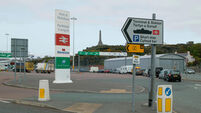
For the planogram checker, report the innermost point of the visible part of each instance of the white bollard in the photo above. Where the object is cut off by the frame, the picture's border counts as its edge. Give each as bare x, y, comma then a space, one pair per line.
43, 91
164, 99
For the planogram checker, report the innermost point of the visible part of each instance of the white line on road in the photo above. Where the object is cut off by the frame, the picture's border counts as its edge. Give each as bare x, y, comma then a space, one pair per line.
3, 101
198, 85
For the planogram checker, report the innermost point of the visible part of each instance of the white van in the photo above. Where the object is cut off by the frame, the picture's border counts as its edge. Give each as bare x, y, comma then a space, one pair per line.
126, 69
93, 69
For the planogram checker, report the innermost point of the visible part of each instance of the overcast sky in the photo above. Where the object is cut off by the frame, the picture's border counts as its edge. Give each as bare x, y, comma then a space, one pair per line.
34, 20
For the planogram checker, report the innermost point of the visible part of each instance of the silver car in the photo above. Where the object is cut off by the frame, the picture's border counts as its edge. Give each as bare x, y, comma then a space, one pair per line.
190, 71
162, 73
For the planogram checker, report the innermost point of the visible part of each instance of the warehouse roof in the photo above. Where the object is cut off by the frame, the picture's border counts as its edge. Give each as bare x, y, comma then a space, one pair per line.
141, 57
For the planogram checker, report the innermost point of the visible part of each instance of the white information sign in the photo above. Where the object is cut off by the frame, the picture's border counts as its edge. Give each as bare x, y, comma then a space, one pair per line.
62, 47
62, 21
62, 51
136, 59
113, 54
143, 31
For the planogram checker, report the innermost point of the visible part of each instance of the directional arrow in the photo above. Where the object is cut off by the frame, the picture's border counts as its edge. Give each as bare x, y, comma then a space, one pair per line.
133, 48
124, 30
143, 31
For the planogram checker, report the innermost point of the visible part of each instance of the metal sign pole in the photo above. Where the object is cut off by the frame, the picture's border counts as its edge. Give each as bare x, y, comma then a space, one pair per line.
78, 63
24, 68
19, 76
15, 61
133, 89
153, 72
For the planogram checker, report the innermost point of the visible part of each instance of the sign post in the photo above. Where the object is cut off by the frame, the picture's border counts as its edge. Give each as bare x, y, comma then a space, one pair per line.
153, 71
136, 60
19, 48
62, 47
145, 31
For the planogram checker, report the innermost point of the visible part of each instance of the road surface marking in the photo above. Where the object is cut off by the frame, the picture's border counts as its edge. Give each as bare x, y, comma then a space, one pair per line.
115, 91
83, 107
198, 85
3, 101
195, 87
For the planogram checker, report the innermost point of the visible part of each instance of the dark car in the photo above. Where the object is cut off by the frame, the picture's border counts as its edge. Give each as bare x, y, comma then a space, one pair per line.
139, 72
101, 71
172, 75
158, 70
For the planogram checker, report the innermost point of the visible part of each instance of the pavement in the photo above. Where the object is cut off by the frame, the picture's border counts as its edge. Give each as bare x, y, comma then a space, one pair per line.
193, 77
89, 93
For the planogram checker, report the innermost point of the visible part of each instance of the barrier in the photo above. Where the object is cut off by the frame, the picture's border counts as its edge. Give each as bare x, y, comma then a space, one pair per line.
164, 99
43, 91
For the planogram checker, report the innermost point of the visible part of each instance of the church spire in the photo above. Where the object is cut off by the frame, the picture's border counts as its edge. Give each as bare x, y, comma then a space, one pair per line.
100, 43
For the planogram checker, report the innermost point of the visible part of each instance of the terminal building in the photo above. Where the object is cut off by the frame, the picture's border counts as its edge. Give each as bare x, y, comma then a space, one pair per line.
167, 61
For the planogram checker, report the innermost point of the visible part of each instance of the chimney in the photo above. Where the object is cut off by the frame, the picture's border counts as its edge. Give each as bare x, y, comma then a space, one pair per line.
188, 52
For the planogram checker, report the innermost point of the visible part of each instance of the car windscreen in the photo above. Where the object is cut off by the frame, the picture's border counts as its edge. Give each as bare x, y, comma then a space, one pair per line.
175, 72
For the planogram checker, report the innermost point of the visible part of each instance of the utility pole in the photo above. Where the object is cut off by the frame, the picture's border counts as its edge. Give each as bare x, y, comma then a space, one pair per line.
73, 18
7, 41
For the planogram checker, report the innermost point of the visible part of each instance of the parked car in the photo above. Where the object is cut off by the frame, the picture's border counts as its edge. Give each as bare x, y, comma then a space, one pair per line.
162, 73
106, 71
172, 75
101, 71
139, 71
146, 72
190, 71
117, 70
158, 70
83, 70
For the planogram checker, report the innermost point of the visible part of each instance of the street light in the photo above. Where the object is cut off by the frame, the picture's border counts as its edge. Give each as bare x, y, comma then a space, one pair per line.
73, 18
7, 40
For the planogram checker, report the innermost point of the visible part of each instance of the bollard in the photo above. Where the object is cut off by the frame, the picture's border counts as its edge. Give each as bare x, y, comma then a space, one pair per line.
164, 99
43, 91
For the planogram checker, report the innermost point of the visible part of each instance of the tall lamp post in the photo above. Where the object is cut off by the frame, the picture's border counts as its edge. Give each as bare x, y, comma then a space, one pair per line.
7, 41
73, 19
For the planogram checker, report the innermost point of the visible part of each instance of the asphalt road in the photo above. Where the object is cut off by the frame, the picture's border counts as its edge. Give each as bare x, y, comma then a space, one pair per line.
7, 107
186, 94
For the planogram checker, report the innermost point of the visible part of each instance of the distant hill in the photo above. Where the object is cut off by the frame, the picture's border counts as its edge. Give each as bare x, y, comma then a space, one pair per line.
195, 50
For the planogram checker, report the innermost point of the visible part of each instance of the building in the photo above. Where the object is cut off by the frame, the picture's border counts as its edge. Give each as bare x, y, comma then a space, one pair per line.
167, 61
188, 56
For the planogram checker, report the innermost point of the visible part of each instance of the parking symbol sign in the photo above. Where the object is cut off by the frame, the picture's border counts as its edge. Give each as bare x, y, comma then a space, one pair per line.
136, 38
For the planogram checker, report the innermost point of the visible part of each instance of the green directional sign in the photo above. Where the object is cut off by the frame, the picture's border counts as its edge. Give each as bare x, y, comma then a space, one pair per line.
88, 53
62, 63
5, 55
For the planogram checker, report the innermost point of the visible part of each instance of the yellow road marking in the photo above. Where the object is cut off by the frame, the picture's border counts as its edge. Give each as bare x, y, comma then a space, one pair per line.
115, 91
83, 107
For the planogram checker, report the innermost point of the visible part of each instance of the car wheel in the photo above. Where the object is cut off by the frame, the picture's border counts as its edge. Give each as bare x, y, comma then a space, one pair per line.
179, 80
